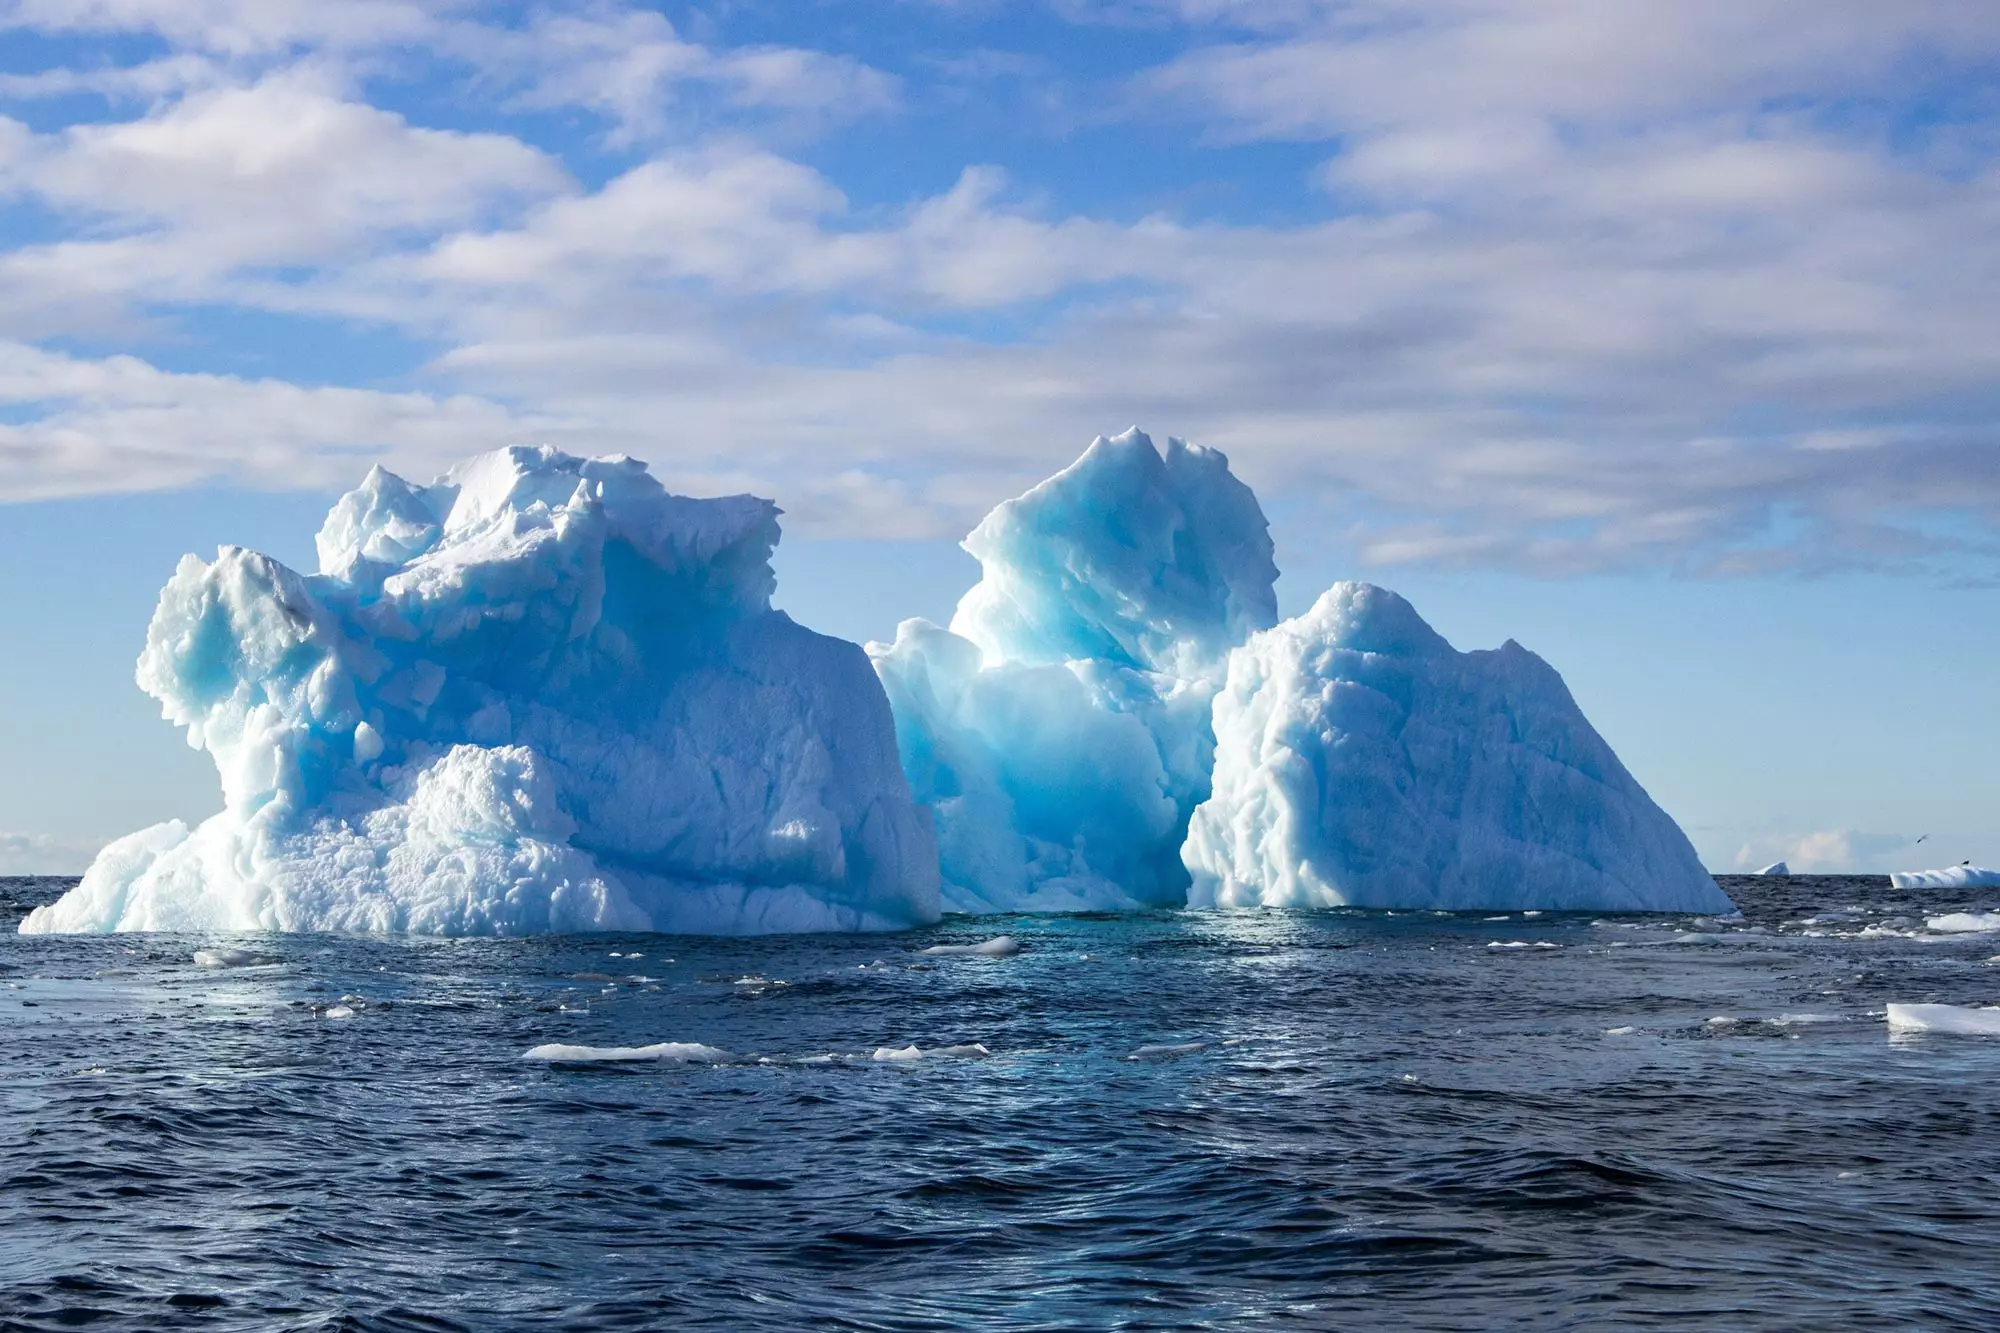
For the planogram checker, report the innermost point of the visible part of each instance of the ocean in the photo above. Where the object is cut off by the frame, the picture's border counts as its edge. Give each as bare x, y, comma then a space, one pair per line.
1336, 1120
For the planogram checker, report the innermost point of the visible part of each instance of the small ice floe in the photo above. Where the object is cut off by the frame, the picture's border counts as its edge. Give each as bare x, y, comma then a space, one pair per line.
1722, 1021
1950, 1018
1497, 918
672, 1052
1776, 868
971, 1050
757, 985
229, 958
1624, 1031
1804, 1020
1167, 1051
1000, 946
1533, 911
1522, 944
338, 1011
1963, 876
1964, 923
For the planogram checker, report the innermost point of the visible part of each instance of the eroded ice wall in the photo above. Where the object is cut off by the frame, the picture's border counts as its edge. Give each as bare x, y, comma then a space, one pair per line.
1059, 730
540, 694
1362, 761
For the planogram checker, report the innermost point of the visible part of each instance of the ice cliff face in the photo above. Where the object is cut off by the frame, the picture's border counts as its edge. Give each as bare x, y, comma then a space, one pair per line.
1360, 760
539, 694
1059, 730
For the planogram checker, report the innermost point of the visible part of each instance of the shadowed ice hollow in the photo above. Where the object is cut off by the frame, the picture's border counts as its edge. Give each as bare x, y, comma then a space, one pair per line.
540, 694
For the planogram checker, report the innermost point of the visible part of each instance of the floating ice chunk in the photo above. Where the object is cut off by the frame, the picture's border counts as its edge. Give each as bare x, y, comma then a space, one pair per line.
1522, 944
1166, 1051
229, 958
968, 1051
1949, 1018
1804, 1020
1776, 868
1964, 923
669, 1051
1625, 1031
338, 1011
1059, 730
1362, 761
1951, 877
1000, 946
899, 1053
540, 694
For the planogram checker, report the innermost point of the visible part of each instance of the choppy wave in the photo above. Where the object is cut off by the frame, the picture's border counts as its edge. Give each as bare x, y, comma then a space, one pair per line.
1170, 1120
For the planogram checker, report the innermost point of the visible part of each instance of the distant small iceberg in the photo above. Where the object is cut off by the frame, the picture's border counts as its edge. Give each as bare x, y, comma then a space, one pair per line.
1776, 868
1951, 877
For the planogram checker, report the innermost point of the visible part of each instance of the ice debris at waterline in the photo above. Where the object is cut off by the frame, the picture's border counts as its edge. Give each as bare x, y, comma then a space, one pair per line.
1946, 1018
1951, 877
539, 694
1059, 730
1362, 761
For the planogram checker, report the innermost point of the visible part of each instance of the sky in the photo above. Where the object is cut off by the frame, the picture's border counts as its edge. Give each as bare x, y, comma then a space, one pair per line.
1661, 338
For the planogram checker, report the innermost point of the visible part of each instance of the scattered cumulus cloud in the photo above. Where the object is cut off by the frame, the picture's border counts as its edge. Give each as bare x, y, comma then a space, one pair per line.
1577, 288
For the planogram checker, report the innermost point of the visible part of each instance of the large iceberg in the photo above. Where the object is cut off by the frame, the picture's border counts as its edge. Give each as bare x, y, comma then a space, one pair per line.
1362, 761
1059, 729
539, 694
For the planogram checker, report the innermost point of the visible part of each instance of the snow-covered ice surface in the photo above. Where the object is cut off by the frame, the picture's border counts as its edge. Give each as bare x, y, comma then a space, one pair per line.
1059, 729
539, 694
1362, 761
1273, 1119
1951, 877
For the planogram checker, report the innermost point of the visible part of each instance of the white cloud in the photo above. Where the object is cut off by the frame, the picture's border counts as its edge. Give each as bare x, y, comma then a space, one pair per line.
285, 170
42, 854
1579, 297
237, 27
1833, 852
631, 66
101, 424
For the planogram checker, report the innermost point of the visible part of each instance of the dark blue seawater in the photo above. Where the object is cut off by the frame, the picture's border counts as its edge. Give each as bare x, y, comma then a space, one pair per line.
1388, 1125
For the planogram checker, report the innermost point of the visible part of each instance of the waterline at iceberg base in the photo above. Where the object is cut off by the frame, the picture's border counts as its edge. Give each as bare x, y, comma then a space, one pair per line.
542, 694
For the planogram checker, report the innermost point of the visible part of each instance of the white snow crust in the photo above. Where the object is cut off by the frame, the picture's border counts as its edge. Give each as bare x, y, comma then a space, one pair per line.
1951, 877
1059, 730
1362, 761
539, 694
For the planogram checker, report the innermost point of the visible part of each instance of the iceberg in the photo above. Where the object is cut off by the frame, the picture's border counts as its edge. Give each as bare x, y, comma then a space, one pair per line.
1951, 877
1778, 868
539, 694
1362, 761
1059, 730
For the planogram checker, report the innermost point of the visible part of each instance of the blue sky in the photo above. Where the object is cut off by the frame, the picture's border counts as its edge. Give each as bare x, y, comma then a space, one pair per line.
1662, 338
